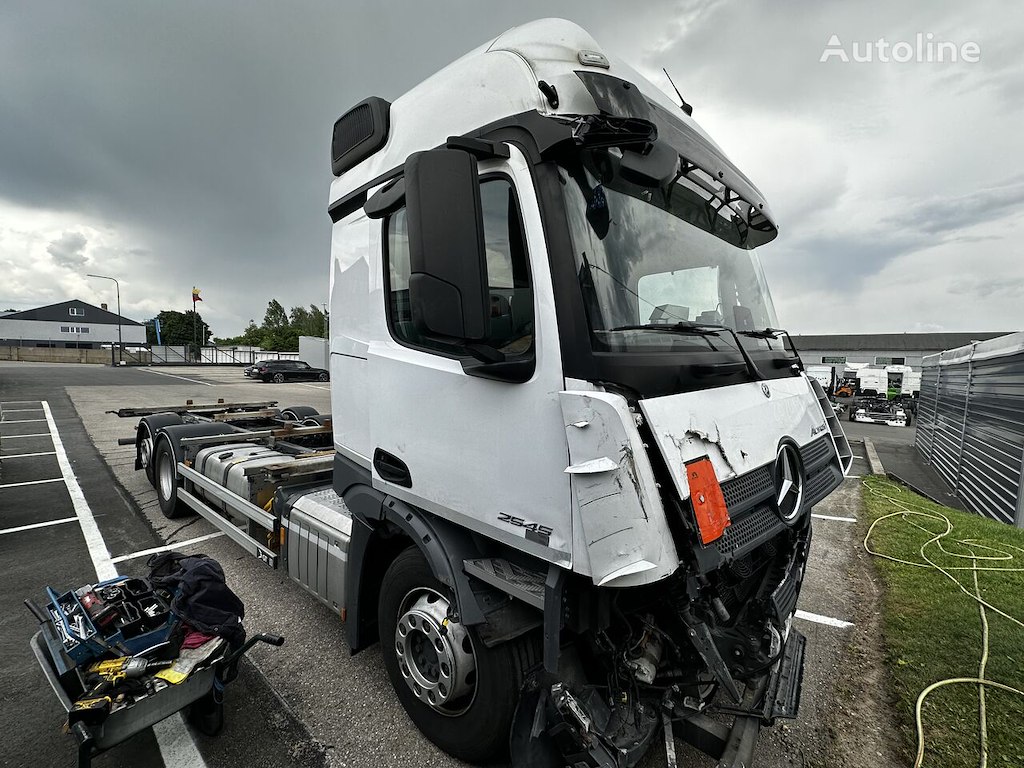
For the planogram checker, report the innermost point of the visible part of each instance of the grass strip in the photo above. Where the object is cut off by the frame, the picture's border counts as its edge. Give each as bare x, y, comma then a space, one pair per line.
933, 630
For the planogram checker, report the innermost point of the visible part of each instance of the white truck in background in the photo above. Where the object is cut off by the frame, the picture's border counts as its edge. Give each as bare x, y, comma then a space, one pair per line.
823, 374
568, 476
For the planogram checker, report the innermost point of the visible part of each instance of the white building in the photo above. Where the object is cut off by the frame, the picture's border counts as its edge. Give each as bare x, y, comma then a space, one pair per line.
70, 324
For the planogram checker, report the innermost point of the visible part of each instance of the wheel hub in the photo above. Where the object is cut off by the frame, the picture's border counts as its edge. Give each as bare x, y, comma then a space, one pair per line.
435, 655
165, 470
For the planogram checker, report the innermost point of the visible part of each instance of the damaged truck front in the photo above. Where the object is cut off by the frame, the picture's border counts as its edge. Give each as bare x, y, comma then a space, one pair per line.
573, 458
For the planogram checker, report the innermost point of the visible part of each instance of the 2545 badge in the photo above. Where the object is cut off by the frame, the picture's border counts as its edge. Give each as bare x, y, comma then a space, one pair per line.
518, 522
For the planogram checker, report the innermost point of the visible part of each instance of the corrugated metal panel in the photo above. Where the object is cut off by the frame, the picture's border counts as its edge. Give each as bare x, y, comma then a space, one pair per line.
970, 425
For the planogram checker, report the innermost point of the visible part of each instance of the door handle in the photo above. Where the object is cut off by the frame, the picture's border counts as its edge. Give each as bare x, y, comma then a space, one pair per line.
391, 468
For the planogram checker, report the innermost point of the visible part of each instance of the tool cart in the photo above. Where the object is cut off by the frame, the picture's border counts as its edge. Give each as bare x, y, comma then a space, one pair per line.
114, 655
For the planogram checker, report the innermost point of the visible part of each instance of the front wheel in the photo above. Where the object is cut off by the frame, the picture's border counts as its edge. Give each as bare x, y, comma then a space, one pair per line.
461, 694
323, 377
278, 378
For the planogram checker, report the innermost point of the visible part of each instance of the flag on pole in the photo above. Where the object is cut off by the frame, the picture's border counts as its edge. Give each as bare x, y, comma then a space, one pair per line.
195, 296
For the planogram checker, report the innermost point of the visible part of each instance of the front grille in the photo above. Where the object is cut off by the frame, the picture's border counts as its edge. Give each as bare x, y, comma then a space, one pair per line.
816, 453
821, 483
748, 531
746, 490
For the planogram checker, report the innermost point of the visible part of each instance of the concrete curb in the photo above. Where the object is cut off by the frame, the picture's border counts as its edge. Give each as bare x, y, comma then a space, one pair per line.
874, 463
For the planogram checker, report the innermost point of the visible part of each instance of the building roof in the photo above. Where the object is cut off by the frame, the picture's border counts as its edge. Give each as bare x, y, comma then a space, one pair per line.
54, 313
890, 342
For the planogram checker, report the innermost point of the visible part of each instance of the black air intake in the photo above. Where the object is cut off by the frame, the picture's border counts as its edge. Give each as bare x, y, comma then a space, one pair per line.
359, 133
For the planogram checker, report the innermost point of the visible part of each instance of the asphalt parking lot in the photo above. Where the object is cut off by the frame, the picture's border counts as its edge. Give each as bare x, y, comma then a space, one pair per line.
895, 448
310, 702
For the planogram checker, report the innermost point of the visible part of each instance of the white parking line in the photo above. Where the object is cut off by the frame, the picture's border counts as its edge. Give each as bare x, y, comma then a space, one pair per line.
38, 525
26, 455
176, 744
819, 619
21, 410
173, 376
93, 539
16, 437
311, 386
18, 402
31, 482
19, 421
833, 517
167, 547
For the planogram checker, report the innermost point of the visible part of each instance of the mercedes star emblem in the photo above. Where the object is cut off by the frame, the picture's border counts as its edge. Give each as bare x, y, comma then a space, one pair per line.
767, 392
789, 486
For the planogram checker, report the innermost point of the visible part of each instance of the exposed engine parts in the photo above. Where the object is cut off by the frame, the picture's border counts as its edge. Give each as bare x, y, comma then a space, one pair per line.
666, 660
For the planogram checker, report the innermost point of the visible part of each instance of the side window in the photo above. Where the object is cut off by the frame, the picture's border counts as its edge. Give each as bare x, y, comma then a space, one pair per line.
508, 275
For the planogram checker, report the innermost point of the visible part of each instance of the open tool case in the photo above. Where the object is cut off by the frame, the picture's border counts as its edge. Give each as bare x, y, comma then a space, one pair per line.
119, 619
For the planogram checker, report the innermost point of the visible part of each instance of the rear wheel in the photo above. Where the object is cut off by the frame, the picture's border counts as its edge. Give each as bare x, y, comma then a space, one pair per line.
146, 453
459, 693
278, 378
298, 412
167, 481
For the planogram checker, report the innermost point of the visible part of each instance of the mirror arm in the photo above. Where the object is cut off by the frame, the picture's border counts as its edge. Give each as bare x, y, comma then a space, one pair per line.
485, 354
481, 149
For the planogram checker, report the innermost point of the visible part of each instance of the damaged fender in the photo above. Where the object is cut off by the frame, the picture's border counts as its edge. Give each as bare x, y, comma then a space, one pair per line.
621, 537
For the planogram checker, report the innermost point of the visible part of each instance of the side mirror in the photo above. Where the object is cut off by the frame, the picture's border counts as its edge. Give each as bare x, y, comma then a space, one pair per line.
448, 292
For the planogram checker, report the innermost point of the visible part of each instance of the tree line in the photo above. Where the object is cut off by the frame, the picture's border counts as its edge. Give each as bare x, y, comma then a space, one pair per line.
279, 331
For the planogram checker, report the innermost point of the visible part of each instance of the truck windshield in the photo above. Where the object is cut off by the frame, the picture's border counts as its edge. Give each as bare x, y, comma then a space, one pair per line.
648, 258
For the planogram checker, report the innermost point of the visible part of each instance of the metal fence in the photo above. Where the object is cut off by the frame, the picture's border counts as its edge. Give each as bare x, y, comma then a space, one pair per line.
970, 424
179, 355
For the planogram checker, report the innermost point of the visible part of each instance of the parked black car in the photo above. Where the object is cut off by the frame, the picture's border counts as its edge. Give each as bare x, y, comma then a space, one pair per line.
250, 370
290, 370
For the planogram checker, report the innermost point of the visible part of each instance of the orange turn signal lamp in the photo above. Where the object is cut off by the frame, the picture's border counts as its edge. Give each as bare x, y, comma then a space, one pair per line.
707, 499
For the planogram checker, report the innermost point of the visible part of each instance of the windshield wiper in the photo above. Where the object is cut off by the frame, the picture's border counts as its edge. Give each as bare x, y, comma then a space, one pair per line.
681, 327
774, 333
701, 329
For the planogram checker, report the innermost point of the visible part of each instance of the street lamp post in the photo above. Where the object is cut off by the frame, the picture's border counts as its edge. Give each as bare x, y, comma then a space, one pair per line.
120, 347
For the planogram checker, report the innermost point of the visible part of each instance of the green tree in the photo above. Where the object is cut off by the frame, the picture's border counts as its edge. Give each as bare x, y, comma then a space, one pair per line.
275, 318
177, 328
280, 330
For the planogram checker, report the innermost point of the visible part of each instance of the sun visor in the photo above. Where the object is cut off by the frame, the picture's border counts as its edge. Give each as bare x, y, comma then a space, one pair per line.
614, 96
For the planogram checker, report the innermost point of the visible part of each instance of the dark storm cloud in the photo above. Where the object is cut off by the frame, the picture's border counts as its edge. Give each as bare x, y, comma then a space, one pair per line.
951, 214
205, 126
198, 132
68, 251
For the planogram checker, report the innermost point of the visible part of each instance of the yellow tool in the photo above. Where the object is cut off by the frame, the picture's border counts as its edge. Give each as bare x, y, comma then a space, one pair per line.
115, 671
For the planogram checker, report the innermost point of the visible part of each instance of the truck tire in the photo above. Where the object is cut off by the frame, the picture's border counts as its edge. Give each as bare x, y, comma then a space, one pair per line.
148, 429
146, 453
167, 481
298, 412
459, 693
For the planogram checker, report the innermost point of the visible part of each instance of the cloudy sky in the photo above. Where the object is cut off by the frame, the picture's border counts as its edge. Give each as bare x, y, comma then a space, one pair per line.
186, 143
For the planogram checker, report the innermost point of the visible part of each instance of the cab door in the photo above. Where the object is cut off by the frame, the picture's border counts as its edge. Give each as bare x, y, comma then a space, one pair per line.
489, 455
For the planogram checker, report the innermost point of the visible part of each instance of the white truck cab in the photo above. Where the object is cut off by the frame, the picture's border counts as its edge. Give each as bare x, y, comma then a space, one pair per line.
571, 450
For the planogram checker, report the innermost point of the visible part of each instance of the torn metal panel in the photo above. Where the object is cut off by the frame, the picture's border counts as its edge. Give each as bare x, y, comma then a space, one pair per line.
620, 534
737, 427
